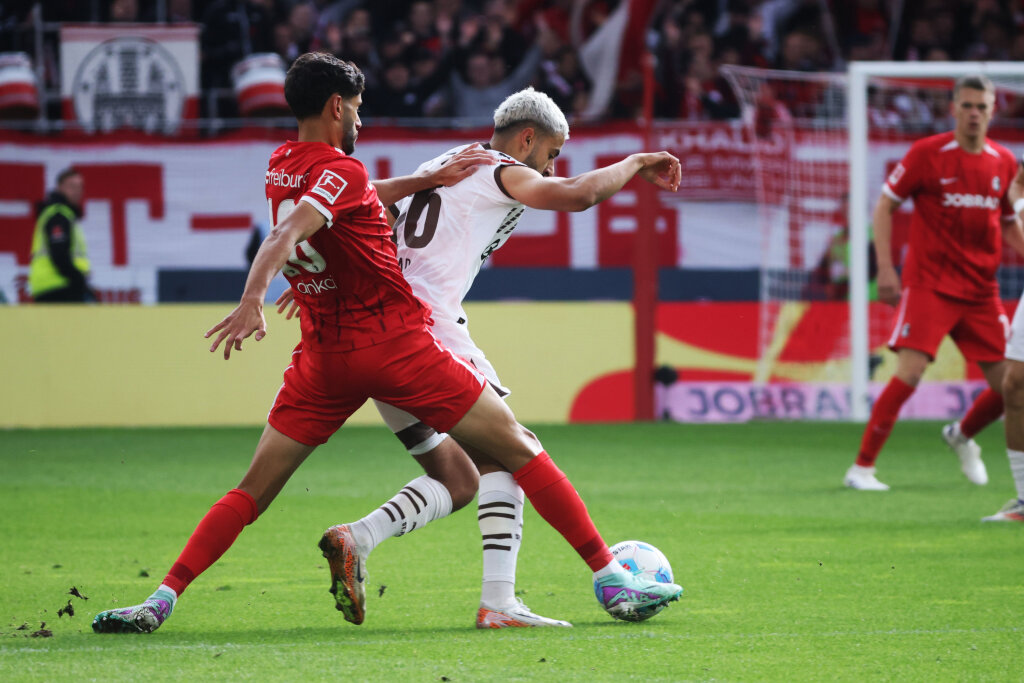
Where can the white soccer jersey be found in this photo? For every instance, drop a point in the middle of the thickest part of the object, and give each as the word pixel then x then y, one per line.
pixel 444 235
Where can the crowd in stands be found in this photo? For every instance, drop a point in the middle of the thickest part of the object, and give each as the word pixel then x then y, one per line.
pixel 433 58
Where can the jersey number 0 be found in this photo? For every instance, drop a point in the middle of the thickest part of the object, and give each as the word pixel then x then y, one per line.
pixel 408 224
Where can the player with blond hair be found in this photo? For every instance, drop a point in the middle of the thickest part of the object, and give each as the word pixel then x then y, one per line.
pixel 444 235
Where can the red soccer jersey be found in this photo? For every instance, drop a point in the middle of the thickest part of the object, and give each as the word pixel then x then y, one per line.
pixel 960 200
pixel 346 276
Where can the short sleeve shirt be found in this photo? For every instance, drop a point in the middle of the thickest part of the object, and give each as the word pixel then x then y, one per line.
pixel 345 276
pixel 960 201
pixel 445 234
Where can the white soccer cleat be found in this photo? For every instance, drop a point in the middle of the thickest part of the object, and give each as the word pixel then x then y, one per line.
pixel 969 453
pixel 863 479
pixel 1013 511
pixel 515 615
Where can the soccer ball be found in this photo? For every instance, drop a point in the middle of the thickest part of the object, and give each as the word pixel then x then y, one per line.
pixel 643 558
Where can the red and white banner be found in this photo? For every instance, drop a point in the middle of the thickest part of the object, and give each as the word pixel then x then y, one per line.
pixel 745 401
pixel 136 76
pixel 189 205
pixel 155 205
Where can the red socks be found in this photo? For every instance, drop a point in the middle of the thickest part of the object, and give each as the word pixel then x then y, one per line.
pixel 555 499
pixel 985 410
pixel 214 535
pixel 883 417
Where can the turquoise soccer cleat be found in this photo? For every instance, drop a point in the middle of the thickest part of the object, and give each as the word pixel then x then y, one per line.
pixel 144 618
pixel 631 597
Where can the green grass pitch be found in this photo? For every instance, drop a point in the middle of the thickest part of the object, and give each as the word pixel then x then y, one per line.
pixel 788 576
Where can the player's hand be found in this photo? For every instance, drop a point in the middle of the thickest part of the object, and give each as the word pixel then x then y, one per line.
pixel 888 285
pixel 240 324
pixel 661 169
pixel 287 300
pixel 462 165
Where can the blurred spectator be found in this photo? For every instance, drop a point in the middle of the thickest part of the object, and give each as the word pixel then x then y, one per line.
pixel 232 30
pixel 801 50
pixel 301 22
pixel 179 11
pixel 420 27
pixel 334 15
pixel 59 269
pixel 564 81
pixel 864 29
pixel 357 41
pixel 495 34
pixel 993 35
pixel 482 48
pixel 123 11
pixel 403 92
pixel 485 84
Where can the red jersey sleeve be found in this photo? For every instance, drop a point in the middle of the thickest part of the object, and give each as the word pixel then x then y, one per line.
pixel 905 179
pixel 337 187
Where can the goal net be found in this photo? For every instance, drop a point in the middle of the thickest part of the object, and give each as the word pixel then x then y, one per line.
pixel 821 146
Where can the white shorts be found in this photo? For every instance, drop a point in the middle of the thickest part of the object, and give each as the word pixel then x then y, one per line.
pixel 416 436
pixel 1015 342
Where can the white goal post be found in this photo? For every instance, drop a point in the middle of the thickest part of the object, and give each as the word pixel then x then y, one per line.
pixel 858 77
pixel 821 145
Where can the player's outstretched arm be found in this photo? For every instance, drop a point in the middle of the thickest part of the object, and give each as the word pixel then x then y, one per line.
pixel 247 317
pixel 888 279
pixel 587 189
pixel 457 168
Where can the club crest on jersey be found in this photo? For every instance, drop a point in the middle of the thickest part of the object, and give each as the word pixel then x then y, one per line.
pixel 995 183
pixel 905 331
pixel 330 186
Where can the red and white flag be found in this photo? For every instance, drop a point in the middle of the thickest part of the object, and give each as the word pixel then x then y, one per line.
pixel 614 52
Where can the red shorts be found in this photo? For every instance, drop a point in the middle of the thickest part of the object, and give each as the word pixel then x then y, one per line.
pixel 924 317
pixel 413 372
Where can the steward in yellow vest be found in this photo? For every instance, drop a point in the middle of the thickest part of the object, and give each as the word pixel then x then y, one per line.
pixel 60 266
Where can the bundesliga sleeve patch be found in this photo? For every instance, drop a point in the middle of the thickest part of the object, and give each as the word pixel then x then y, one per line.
pixel 896 174
pixel 330 186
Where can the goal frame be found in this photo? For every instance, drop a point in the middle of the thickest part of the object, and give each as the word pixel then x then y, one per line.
pixel 858 76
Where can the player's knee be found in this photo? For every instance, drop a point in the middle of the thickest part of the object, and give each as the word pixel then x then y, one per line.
pixel 447 463
pixel 464 490
pixel 910 366
pixel 462 484
pixel 1013 384
pixel 531 439
pixel 910 374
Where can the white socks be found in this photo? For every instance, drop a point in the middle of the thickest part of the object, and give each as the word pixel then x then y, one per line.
pixel 421 501
pixel 609 569
pixel 1017 469
pixel 500 515
pixel 167 589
